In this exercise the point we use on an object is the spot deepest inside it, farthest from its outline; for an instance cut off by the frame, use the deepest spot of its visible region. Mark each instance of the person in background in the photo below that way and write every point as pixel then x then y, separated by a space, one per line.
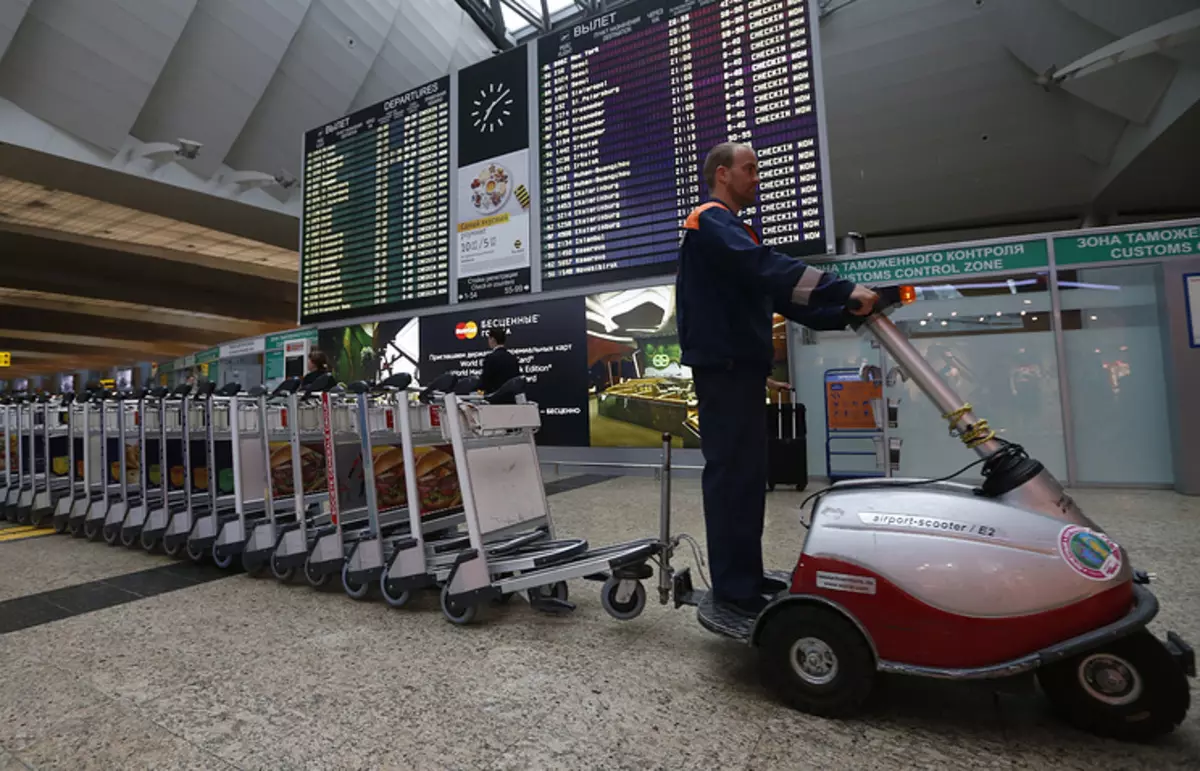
pixel 728 287
pixel 499 366
pixel 318 364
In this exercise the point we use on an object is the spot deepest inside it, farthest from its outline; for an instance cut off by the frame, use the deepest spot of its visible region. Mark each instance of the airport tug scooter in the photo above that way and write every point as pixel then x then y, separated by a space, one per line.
pixel 939 579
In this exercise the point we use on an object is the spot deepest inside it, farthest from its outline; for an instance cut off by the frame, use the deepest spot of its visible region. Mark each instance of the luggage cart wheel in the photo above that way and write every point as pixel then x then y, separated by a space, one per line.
pixel 623 603
pixel 224 563
pixel 148 543
pixel 75 528
pixel 315 579
pixel 454 612
pixel 128 538
pixel 111 534
pixel 60 526
pixel 395 599
pixel 91 529
pixel 355 591
pixel 556 591
pixel 280 573
pixel 172 550
pixel 194 552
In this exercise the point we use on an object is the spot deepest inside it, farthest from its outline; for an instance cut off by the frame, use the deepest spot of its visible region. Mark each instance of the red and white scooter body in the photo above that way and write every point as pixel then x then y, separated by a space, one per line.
pixel 940 578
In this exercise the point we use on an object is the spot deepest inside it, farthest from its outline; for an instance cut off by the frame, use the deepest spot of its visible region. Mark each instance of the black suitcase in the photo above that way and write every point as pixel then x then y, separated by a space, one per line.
pixel 787 445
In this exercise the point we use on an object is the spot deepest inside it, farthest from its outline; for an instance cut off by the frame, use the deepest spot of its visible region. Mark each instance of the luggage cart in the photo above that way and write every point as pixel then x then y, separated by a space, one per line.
pixel 6 456
pixel 218 433
pixel 195 421
pixel 426 557
pixel 76 489
pixel 18 450
pixel 23 502
pixel 174 419
pixel 151 451
pixel 129 420
pixel 88 453
pixel 106 491
pixel 372 534
pixel 500 476
pixel 296 539
pixel 251 454
pixel 262 535
pixel 56 483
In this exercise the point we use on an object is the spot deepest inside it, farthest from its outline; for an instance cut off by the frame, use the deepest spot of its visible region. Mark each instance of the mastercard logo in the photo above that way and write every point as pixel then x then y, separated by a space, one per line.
pixel 466 330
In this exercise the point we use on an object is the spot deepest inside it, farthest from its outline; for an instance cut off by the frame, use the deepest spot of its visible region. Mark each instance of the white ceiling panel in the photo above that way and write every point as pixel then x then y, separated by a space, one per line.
pixel 1044 34
pixel 427 39
pixel 87 66
pixel 11 14
pixel 324 67
pixel 217 73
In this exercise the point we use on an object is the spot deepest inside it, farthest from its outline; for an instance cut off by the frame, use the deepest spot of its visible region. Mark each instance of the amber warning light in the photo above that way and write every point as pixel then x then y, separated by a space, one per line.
pixel 908 294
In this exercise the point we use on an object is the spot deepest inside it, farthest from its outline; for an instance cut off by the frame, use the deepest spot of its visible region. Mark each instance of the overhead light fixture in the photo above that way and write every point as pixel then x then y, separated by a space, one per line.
pixel 1095 318
pixel 1029 302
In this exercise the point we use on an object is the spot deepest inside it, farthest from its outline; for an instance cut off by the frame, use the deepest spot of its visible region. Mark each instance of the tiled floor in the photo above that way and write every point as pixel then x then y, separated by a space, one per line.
pixel 250 674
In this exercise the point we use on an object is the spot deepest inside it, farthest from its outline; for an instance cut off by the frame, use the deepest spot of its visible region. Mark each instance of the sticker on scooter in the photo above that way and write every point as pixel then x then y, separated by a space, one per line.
pixel 1090 554
pixel 933 524
pixel 844 582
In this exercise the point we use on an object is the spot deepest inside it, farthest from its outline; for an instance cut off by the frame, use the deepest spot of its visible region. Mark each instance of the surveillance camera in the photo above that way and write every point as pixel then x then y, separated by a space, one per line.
pixel 188 148
pixel 285 179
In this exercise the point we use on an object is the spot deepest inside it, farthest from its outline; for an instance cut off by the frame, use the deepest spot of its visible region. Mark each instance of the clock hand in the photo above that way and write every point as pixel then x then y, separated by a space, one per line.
pixel 497 101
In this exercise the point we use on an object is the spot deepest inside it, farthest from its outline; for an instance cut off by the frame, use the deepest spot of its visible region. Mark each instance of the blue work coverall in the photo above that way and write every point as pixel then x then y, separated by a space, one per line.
pixel 728 287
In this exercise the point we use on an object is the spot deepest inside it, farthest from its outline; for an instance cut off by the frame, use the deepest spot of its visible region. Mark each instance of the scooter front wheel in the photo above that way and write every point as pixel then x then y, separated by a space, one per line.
pixel 1130 689
pixel 816 660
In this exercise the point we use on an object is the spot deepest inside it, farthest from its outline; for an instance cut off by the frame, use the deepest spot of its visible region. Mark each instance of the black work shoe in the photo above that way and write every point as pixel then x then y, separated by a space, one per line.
pixel 772 586
pixel 747 608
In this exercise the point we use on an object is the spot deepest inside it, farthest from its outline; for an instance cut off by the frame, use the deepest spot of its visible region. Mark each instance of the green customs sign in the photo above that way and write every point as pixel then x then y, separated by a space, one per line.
pixel 947 263
pixel 1145 243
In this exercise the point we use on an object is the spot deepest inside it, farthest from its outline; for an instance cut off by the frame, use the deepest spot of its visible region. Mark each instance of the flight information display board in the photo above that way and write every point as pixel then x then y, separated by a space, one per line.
pixel 631 102
pixel 376 227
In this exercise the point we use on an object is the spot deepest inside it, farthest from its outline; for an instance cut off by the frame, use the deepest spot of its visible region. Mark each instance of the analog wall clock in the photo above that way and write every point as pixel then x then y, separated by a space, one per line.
pixel 492 108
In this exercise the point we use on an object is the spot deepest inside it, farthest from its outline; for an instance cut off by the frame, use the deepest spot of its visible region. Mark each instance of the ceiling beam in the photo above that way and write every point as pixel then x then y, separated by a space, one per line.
pixel 59 303
pixel 45 265
pixel 151 196
pixel 18 346
pixel 227 264
pixel 97 326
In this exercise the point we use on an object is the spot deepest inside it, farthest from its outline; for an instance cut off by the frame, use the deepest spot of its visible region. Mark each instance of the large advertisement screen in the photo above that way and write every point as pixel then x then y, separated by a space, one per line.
pixel 604 368
pixel 550 345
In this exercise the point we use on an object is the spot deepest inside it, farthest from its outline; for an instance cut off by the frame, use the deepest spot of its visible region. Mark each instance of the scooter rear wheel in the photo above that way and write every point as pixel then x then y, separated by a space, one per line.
pixel 816 660
pixel 1130 689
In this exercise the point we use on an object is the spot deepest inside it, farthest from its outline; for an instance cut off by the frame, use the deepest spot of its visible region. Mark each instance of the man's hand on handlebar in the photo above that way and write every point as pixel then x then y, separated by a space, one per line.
pixel 862 301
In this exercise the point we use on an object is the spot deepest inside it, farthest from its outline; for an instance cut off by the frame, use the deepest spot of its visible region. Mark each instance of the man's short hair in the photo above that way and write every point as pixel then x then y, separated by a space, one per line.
pixel 721 155
pixel 499 335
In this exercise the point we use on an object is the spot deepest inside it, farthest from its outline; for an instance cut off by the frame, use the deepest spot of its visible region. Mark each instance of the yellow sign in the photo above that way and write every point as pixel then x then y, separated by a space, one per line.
pixel 484 222
pixel 108 382
pixel 5 359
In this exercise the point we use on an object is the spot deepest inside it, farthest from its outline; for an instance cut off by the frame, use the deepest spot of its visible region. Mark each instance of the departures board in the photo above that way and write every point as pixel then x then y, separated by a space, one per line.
pixel 375 235
pixel 630 103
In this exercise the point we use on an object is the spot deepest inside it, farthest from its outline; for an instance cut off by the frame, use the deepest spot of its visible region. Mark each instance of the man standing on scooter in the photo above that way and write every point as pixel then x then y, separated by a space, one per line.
pixel 728 287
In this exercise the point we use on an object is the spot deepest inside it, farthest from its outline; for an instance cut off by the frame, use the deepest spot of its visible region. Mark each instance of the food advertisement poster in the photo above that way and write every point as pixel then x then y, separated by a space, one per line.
pixel 548 339
pixel 312 469
pixel 492 188
pixel 437 478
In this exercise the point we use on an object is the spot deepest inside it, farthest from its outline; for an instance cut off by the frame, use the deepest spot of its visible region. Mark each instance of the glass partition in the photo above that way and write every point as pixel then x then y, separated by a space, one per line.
pixel 991 339
pixel 1114 354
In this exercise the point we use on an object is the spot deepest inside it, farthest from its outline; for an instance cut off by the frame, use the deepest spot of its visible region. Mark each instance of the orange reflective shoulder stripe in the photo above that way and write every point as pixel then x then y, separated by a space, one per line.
pixel 693 220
